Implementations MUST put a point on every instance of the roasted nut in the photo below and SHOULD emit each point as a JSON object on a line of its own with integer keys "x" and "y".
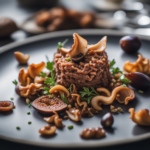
{"x": 47, "y": 130}
{"x": 139, "y": 80}
{"x": 90, "y": 133}
{"x": 125, "y": 95}
{"x": 59, "y": 88}
{"x": 141, "y": 65}
{"x": 140, "y": 117}
{"x": 54, "y": 119}
{"x": 6, "y": 106}
{"x": 130, "y": 43}
{"x": 21, "y": 58}
{"x": 48, "y": 105}
{"x": 74, "y": 114}
{"x": 7, "y": 27}
{"x": 107, "y": 120}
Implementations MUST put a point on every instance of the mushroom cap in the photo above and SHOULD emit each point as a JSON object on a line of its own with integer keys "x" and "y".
{"x": 47, "y": 130}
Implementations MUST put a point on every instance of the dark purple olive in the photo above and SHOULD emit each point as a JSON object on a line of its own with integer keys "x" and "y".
{"x": 139, "y": 80}
{"x": 130, "y": 43}
{"x": 78, "y": 58}
{"x": 107, "y": 120}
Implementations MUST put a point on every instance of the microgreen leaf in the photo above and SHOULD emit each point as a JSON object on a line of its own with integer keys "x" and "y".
{"x": 46, "y": 90}
{"x": 123, "y": 79}
{"x": 115, "y": 71}
{"x": 15, "y": 82}
{"x": 112, "y": 63}
{"x": 64, "y": 99}
{"x": 70, "y": 88}
{"x": 49, "y": 81}
{"x": 61, "y": 44}
{"x": 49, "y": 65}
{"x": 42, "y": 74}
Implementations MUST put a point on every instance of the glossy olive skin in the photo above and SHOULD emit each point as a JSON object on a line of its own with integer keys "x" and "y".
{"x": 107, "y": 120}
{"x": 130, "y": 43}
{"x": 78, "y": 58}
{"x": 139, "y": 80}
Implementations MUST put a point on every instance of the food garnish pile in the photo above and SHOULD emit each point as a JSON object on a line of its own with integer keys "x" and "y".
{"x": 79, "y": 81}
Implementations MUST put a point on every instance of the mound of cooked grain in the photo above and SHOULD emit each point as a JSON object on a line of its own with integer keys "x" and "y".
{"x": 93, "y": 71}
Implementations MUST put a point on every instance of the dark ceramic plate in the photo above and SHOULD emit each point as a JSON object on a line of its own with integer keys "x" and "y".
{"x": 123, "y": 130}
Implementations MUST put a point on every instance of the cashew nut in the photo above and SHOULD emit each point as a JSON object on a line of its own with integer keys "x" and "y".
{"x": 125, "y": 95}
{"x": 90, "y": 133}
{"x": 74, "y": 114}
{"x": 21, "y": 58}
{"x": 140, "y": 117}
{"x": 54, "y": 119}
{"x": 61, "y": 89}
{"x": 47, "y": 130}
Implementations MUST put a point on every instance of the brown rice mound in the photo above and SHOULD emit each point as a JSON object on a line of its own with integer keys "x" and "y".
{"x": 93, "y": 71}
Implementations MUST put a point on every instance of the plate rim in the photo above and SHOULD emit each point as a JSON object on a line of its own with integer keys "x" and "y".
{"x": 68, "y": 33}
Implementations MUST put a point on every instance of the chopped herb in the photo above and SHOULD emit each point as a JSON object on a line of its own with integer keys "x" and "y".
{"x": 46, "y": 90}
{"x": 61, "y": 44}
{"x": 123, "y": 79}
{"x": 114, "y": 82}
{"x": 39, "y": 95}
{"x": 15, "y": 82}
{"x": 29, "y": 104}
{"x": 68, "y": 59}
{"x": 49, "y": 65}
{"x": 12, "y": 98}
{"x": 70, "y": 88}
{"x": 112, "y": 63}
{"x": 115, "y": 71}
{"x": 42, "y": 74}
{"x": 140, "y": 91}
{"x": 70, "y": 127}
{"x": 64, "y": 99}
{"x": 18, "y": 128}
{"x": 29, "y": 122}
{"x": 28, "y": 113}
{"x": 89, "y": 94}
{"x": 124, "y": 85}
{"x": 49, "y": 81}
{"x": 52, "y": 96}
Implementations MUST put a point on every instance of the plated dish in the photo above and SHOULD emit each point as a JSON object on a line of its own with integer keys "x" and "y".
{"x": 83, "y": 97}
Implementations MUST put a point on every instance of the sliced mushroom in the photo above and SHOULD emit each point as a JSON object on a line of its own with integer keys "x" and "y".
{"x": 104, "y": 90}
{"x": 35, "y": 69}
{"x": 21, "y": 58}
{"x": 79, "y": 46}
{"x": 100, "y": 46}
{"x": 23, "y": 77}
{"x": 54, "y": 119}
{"x": 47, "y": 130}
{"x": 74, "y": 114}
{"x": 61, "y": 89}
{"x": 125, "y": 95}
{"x": 6, "y": 106}
{"x": 140, "y": 117}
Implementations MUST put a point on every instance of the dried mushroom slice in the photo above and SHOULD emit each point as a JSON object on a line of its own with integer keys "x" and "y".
{"x": 6, "y": 106}
{"x": 140, "y": 117}
{"x": 47, "y": 104}
{"x": 47, "y": 130}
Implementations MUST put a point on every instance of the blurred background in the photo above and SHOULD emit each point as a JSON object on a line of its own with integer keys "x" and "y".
{"x": 20, "y": 19}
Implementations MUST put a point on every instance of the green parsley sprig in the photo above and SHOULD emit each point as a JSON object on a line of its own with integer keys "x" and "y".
{"x": 124, "y": 80}
{"x": 42, "y": 74}
{"x": 70, "y": 88}
{"x": 113, "y": 70}
{"x": 87, "y": 95}
{"x": 61, "y": 44}
{"x": 63, "y": 97}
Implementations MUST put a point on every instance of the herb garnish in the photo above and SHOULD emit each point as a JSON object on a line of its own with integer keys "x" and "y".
{"x": 29, "y": 122}
{"x": 114, "y": 70}
{"x": 46, "y": 90}
{"x": 15, "y": 82}
{"x": 123, "y": 79}
{"x": 29, "y": 104}
{"x": 70, "y": 88}
{"x": 63, "y": 97}
{"x": 124, "y": 85}
{"x": 18, "y": 128}
{"x": 140, "y": 91}
{"x": 61, "y": 44}
{"x": 12, "y": 98}
{"x": 89, "y": 94}
{"x": 42, "y": 74}
{"x": 68, "y": 59}
{"x": 28, "y": 113}
{"x": 70, "y": 127}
